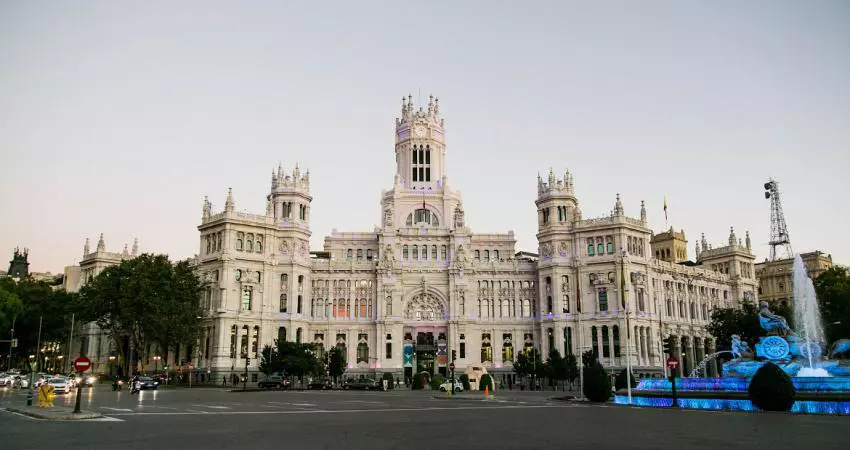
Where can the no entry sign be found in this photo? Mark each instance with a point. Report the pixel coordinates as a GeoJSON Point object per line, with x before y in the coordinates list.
{"type": "Point", "coordinates": [82, 364]}
{"type": "Point", "coordinates": [672, 362]}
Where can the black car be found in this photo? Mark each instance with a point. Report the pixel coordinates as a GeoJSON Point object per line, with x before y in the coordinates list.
{"type": "Point", "coordinates": [363, 384]}
{"type": "Point", "coordinates": [148, 383]}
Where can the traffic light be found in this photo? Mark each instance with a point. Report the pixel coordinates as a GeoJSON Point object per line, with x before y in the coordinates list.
{"type": "Point", "coordinates": [454, 355]}
{"type": "Point", "coordinates": [668, 345]}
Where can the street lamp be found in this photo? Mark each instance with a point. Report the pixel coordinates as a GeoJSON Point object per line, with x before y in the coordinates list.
{"type": "Point", "coordinates": [156, 364]}
{"type": "Point", "coordinates": [628, 326]}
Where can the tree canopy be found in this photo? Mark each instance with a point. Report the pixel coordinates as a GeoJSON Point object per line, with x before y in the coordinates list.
{"type": "Point", "coordinates": [833, 290]}
{"type": "Point", "coordinates": [742, 321]}
{"type": "Point", "coordinates": [146, 299]}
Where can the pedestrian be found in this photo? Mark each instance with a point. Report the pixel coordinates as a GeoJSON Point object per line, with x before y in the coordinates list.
{"type": "Point", "coordinates": [224, 380]}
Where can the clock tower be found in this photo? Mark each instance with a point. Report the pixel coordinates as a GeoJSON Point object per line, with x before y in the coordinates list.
{"type": "Point", "coordinates": [420, 149]}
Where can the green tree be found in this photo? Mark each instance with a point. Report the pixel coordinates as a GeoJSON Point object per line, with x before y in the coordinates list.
{"type": "Point", "coordinates": [833, 290]}
{"type": "Point", "coordinates": [597, 385]}
{"type": "Point", "coordinates": [556, 367]}
{"type": "Point", "coordinates": [298, 359]}
{"type": "Point", "coordinates": [146, 299]}
{"type": "Point", "coordinates": [571, 366]}
{"type": "Point", "coordinates": [336, 362]}
{"type": "Point", "coordinates": [270, 361]}
{"type": "Point", "coordinates": [742, 321]}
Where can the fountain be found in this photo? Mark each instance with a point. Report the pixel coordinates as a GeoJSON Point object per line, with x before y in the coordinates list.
{"type": "Point", "coordinates": [821, 379]}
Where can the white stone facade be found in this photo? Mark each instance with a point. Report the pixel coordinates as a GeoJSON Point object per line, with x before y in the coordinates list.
{"type": "Point", "coordinates": [380, 293]}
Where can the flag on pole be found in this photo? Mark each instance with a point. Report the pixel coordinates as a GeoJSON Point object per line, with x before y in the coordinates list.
{"type": "Point", "coordinates": [665, 208]}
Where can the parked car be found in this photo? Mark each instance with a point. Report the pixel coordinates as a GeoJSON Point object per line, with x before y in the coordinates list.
{"type": "Point", "coordinates": [274, 382]}
{"type": "Point", "coordinates": [458, 386]}
{"type": "Point", "coordinates": [319, 383]}
{"type": "Point", "coordinates": [363, 384]}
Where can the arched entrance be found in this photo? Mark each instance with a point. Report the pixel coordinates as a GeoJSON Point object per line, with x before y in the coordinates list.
{"type": "Point", "coordinates": [425, 334]}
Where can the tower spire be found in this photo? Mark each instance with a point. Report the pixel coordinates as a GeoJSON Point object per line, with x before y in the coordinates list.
{"type": "Point", "coordinates": [778, 229]}
{"type": "Point", "coordinates": [86, 248]}
{"type": "Point", "coordinates": [135, 246]}
{"type": "Point", "coordinates": [228, 204]}
{"type": "Point", "coordinates": [101, 246]}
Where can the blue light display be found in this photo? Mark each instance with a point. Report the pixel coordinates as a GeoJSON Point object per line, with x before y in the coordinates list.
{"type": "Point", "coordinates": [719, 404]}
{"type": "Point", "coordinates": [733, 384]}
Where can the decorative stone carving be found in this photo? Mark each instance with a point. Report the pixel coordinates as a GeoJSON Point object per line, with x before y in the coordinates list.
{"type": "Point", "coordinates": [546, 250]}
{"type": "Point", "coordinates": [388, 217]}
{"type": "Point", "coordinates": [459, 216]}
{"type": "Point", "coordinates": [284, 247]}
{"type": "Point", "coordinates": [638, 278]}
{"type": "Point", "coordinates": [425, 307]}
{"type": "Point", "coordinates": [389, 258]}
{"type": "Point", "coordinates": [562, 249]}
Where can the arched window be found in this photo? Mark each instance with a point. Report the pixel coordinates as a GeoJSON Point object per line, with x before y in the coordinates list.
{"type": "Point", "coordinates": [404, 254]}
{"type": "Point", "coordinates": [349, 254]}
{"type": "Point", "coordinates": [424, 252]}
{"type": "Point", "coordinates": [255, 342]}
{"type": "Point", "coordinates": [259, 244]}
{"type": "Point", "coordinates": [360, 254]}
{"type": "Point", "coordinates": [233, 341]}
{"type": "Point", "coordinates": [362, 353]}
{"type": "Point", "coordinates": [606, 352]}
{"type": "Point", "coordinates": [369, 254]}
{"type": "Point", "coordinates": [298, 335]}
{"type": "Point", "coordinates": [243, 350]}
{"type": "Point", "coordinates": [669, 307]}
{"type": "Point", "coordinates": [283, 303]}
{"type": "Point", "coordinates": [284, 281]}
{"type": "Point", "coordinates": [249, 243]}
{"type": "Point", "coordinates": [595, 340]}
{"type": "Point", "coordinates": [209, 243]}
{"type": "Point", "coordinates": [239, 238]}
{"type": "Point", "coordinates": [299, 304]}
{"type": "Point", "coordinates": [477, 254]}
{"type": "Point", "coordinates": [415, 252]}
{"type": "Point", "coordinates": [496, 255]}
{"type": "Point", "coordinates": [281, 334]}
{"type": "Point", "coordinates": [486, 255]}
{"type": "Point", "coordinates": [443, 252]}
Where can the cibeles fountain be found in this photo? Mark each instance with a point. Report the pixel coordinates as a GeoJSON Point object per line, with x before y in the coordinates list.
{"type": "Point", "coordinates": [821, 378]}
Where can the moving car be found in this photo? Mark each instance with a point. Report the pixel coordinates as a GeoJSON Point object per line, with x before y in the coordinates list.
{"type": "Point", "coordinates": [363, 384]}
{"type": "Point", "coordinates": [60, 385]}
{"type": "Point", "coordinates": [274, 382]}
{"type": "Point", "coordinates": [146, 383]}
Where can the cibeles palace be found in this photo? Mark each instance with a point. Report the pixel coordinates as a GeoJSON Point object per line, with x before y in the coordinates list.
{"type": "Point", "coordinates": [401, 297]}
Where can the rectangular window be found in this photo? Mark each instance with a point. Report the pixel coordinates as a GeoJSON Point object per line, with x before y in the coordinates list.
{"type": "Point", "coordinates": [421, 174]}
{"type": "Point", "coordinates": [590, 251]}
{"type": "Point", "coordinates": [414, 174]}
{"type": "Point", "coordinates": [600, 249]}
{"type": "Point", "coordinates": [389, 351]}
{"type": "Point", "coordinates": [462, 350]}
{"type": "Point", "coordinates": [610, 248]}
{"type": "Point", "coordinates": [443, 253]}
{"type": "Point", "coordinates": [427, 174]}
{"type": "Point", "coordinates": [433, 252]}
{"type": "Point", "coordinates": [369, 255]}
{"type": "Point", "coordinates": [360, 254]}
{"type": "Point", "coordinates": [428, 157]}
{"type": "Point", "coordinates": [496, 255]}
{"type": "Point", "coordinates": [415, 252]}
{"type": "Point", "coordinates": [603, 299]}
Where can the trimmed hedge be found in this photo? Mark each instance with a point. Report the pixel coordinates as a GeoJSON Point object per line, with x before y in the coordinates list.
{"type": "Point", "coordinates": [420, 380]}
{"type": "Point", "coordinates": [464, 379]}
{"type": "Point", "coordinates": [771, 389]}
{"type": "Point", "coordinates": [486, 380]}
{"type": "Point", "coordinates": [597, 386]}
{"type": "Point", "coordinates": [390, 380]}
{"type": "Point", "coordinates": [620, 381]}
{"type": "Point", "coordinates": [436, 381]}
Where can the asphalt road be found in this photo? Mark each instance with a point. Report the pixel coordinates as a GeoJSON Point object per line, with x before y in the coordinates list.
{"type": "Point", "coordinates": [215, 419]}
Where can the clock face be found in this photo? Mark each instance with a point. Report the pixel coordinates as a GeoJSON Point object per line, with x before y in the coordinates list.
{"type": "Point", "coordinates": [420, 131]}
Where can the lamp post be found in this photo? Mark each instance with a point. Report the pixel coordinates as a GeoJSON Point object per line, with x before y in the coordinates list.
{"type": "Point", "coordinates": [111, 362]}
{"type": "Point", "coordinates": [156, 364]}
{"type": "Point", "coordinates": [628, 327]}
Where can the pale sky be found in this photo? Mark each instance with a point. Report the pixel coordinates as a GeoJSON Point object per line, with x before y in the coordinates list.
{"type": "Point", "coordinates": [117, 117]}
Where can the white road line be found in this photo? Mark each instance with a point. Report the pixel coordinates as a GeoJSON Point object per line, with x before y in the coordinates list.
{"type": "Point", "coordinates": [211, 406]}
{"type": "Point", "coordinates": [190, 412]}
{"type": "Point", "coordinates": [363, 401]}
{"type": "Point", "coordinates": [116, 409]}
{"type": "Point", "coordinates": [303, 404]}
{"type": "Point", "coordinates": [21, 415]}
{"type": "Point", "coordinates": [105, 419]}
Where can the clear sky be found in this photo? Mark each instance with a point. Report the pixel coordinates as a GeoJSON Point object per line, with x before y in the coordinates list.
{"type": "Point", "coordinates": [117, 117]}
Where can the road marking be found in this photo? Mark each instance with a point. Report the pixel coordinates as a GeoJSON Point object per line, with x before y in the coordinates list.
{"type": "Point", "coordinates": [21, 415]}
{"type": "Point", "coordinates": [363, 401]}
{"type": "Point", "coordinates": [212, 406]}
{"type": "Point", "coordinates": [116, 409]}
{"type": "Point", "coordinates": [303, 404]}
{"type": "Point", "coordinates": [105, 419]}
{"type": "Point", "coordinates": [190, 412]}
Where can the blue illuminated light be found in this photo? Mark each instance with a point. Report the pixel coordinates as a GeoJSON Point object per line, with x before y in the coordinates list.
{"type": "Point", "coordinates": [718, 404]}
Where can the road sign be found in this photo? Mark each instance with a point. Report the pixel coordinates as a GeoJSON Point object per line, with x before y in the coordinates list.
{"type": "Point", "coordinates": [672, 362]}
{"type": "Point", "coordinates": [451, 366]}
{"type": "Point", "coordinates": [82, 364]}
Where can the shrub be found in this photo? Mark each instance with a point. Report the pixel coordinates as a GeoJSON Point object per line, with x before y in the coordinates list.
{"type": "Point", "coordinates": [771, 389]}
{"type": "Point", "coordinates": [486, 380]}
{"type": "Point", "coordinates": [597, 386]}
{"type": "Point", "coordinates": [390, 380]}
{"type": "Point", "coordinates": [620, 381]}
{"type": "Point", "coordinates": [436, 381]}
{"type": "Point", "coordinates": [420, 380]}
{"type": "Point", "coordinates": [464, 379]}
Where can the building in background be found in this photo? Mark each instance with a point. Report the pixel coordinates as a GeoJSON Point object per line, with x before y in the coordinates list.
{"type": "Point", "coordinates": [775, 277]}
{"type": "Point", "coordinates": [19, 265]}
{"type": "Point", "coordinates": [401, 297]}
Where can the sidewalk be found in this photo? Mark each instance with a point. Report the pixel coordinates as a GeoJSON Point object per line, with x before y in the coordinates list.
{"type": "Point", "coordinates": [55, 413]}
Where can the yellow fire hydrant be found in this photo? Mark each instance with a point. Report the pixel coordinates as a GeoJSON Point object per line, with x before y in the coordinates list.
{"type": "Point", "coordinates": [45, 396]}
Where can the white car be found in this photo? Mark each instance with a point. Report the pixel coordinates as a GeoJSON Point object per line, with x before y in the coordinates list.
{"type": "Point", "coordinates": [445, 386]}
{"type": "Point", "coordinates": [21, 382]}
{"type": "Point", "coordinates": [60, 385]}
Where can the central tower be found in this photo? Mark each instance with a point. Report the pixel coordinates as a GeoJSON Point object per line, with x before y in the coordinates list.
{"type": "Point", "coordinates": [420, 149]}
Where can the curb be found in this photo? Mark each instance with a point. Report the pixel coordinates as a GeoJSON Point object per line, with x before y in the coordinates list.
{"type": "Point", "coordinates": [84, 415]}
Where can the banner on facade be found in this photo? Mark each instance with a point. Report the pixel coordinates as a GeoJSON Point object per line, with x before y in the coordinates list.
{"type": "Point", "coordinates": [408, 355]}
{"type": "Point", "coordinates": [442, 354]}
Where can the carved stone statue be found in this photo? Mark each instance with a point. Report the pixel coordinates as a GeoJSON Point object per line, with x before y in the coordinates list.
{"type": "Point", "coordinates": [740, 348]}
{"type": "Point", "coordinates": [773, 323]}
{"type": "Point", "coordinates": [389, 258]}
{"type": "Point", "coordinates": [388, 217]}
{"type": "Point", "coordinates": [459, 216]}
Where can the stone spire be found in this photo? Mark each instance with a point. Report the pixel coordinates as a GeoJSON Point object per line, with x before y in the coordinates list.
{"type": "Point", "coordinates": [539, 183]}
{"type": "Point", "coordinates": [551, 178]}
{"type": "Point", "coordinates": [100, 245]}
{"type": "Point", "coordinates": [643, 214]}
{"type": "Point", "coordinates": [126, 251]}
{"type": "Point", "coordinates": [704, 242]}
{"type": "Point", "coordinates": [732, 238]}
{"type": "Point", "coordinates": [274, 179]}
{"type": "Point", "coordinates": [618, 206]}
{"type": "Point", "coordinates": [205, 215]}
{"type": "Point", "coordinates": [228, 204]}
{"type": "Point", "coordinates": [749, 242]}
{"type": "Point", "coordinates": [269, 207]}
{"type": "Point", "coordinates": [135, 247]}
{"type": "Point", "coordinates": [86, 247]}
{"type": "Point", "coordinates": [698, 250]}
